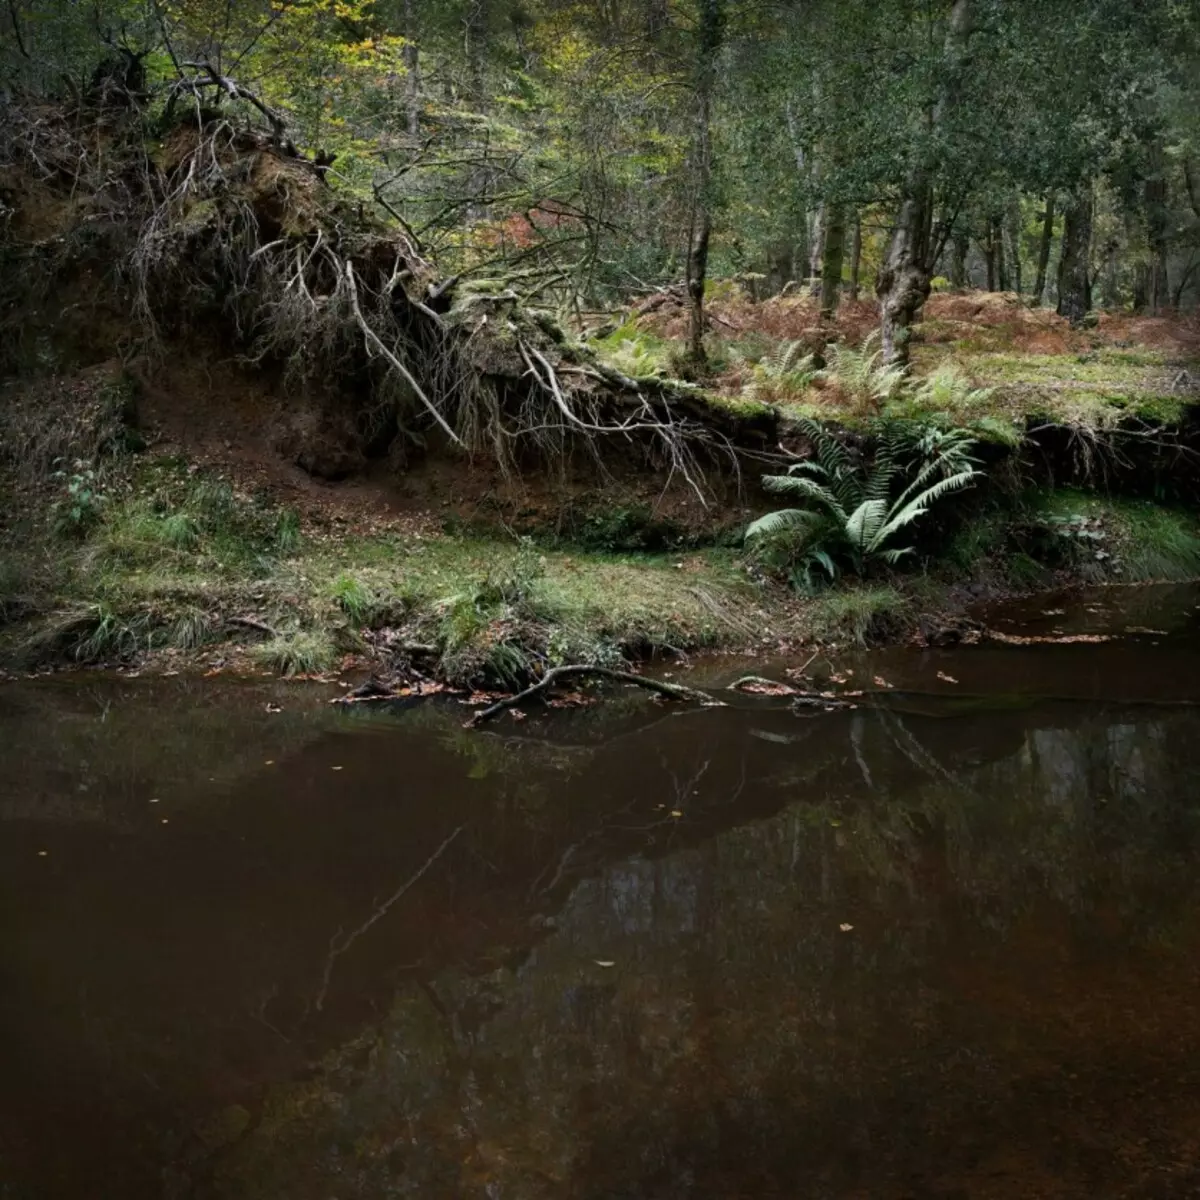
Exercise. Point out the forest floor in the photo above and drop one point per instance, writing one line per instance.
(201, 543)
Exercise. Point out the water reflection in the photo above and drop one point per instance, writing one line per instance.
(731, 953)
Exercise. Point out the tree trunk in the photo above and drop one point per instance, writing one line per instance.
(816, 251)
(711, 26)
(832, 258)
(855, 256)
(1154, 198)
(960, 244)
(1013, 228)
(412, 67)
(903, 284)
(997, 236)
(989, 258)
(904, 278)
(474, 35)
(697, 272)
(1074, 266)
(1043, 263)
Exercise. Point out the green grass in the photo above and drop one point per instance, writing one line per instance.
(1132, 541)
(303, 652)
(859, 614)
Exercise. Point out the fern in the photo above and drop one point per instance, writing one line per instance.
(849, 509)
(861, 375)
(949, 388)
(784, 373)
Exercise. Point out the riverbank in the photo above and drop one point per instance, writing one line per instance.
(160, 560)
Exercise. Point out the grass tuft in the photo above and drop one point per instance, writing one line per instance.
(859, 615)
(298, 653)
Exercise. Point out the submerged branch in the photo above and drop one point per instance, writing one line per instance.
(340, 943)
(674, 691)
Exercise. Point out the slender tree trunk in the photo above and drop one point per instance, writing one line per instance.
(904, 278)
(711, 26)
(474, 36)
(1043, 262)
(989, 257)
(1001, 260)
(1013, 227)
(658, 19)
(816, 251)
(1074, 267)
(855, 256)
(1181, 283)
(959, 246)
(412, 78)
(1154, 197)
(781, 258)
(833, 258)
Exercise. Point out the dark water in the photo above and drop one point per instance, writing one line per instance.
(949, 948)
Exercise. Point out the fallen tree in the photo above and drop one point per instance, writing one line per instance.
(224, 227)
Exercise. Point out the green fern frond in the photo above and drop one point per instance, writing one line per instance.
(791, 521)
(865, 523)
(798, 485)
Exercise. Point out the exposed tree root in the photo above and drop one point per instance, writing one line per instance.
(227, 229)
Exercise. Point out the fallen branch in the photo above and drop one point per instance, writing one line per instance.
(674, 691)
(255, 624)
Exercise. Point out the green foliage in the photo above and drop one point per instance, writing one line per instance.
(861, 376)
(354, 598)
(297, 653)
(948, 389)
(782, 374)
(855, 507)
(101, 634)
(859, 614)
(633, 352)
(287, 531)
(80, 507)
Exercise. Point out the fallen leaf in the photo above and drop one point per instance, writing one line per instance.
(269, 763)
(845, 927)
(675, 812)
(274, 708)
(43, 853)
(879, 681)
(603, 962)
(517, 714)
(946, 678)
(337, 768)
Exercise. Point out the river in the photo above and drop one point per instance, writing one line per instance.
(256, 945)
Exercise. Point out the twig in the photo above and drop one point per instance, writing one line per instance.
(675, 691)
(339, 943)
(253, 623)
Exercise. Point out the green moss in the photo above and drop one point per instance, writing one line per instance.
(1119, 540)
